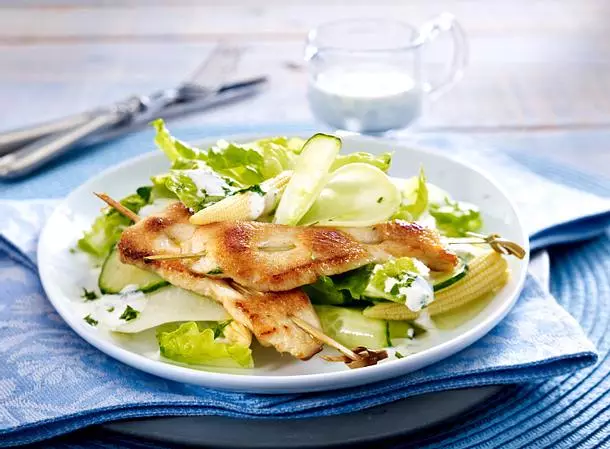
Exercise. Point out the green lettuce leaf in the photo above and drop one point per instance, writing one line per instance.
(181, 184)
(381, 161)
(389, 278)
(173, 148)
(415, 199)
(456, 218)
(391, 269)
(107, 228)
(247, 164)
(189, 344)
(341, 288)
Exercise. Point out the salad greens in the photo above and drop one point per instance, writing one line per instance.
(107, 228)
(356, 194)
(341, 288)
(189, 344)
(456, 218)
(381, 161)
(183, 185)
(415, 198)
(393, 269)
(246, 164)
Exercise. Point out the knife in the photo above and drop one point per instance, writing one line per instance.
(205, 83)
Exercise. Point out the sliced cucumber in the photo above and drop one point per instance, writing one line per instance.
(310, 175)
(116, 275)
(404, 329)
(440, 281)
(172, 304)
(398, 329)
(349, 327)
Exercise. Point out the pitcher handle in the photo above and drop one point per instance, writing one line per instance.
(430, 31)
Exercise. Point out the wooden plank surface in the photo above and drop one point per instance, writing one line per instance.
(534, 65)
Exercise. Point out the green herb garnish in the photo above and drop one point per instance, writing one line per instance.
(219, 329)
(89, 295)
(216, 270)
(90, 320)
(256, 188)
(129, 314)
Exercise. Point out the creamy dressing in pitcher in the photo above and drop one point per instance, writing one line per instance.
(365, 99)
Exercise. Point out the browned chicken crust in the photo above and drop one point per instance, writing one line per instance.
(267, 315)
(270, 257)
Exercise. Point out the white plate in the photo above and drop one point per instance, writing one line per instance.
(64, 274)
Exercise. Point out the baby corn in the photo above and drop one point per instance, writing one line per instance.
(390, 311)
(486, 274)
(245, 206)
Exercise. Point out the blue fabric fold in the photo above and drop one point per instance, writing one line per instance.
(52, 382)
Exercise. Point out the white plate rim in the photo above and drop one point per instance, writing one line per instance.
(293, 383)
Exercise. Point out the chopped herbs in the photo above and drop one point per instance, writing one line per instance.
(89, 295)
(110, 309)
(129, 314)
(219, 328)
(216, 270)
(398, 355)
(256, 188)
(90, 320)
(379, 200)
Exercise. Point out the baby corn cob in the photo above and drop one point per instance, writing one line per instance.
(247, 205)
(390, 311)
(486, 273)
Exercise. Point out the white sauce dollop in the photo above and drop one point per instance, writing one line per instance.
(209, 181)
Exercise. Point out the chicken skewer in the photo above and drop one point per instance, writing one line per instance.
(267, 315)
(275, 258)
(281, 308)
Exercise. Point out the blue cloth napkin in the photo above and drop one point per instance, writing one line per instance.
(52, 382)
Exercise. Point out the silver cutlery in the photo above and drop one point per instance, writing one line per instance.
(30, 148)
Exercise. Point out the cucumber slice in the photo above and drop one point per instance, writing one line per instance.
(309, 177)
(351, 328)
(172, 304)
(398, 329)
(404, 329)
(440, 281)
(356, 194)
(116, 275)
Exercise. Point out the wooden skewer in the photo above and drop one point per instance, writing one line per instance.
(321, 336)
(495, 241)
(118, 206)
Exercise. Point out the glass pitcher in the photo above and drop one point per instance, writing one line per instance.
(365, 75)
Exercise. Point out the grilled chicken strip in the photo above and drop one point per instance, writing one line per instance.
(267, 315)
(270, 257)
